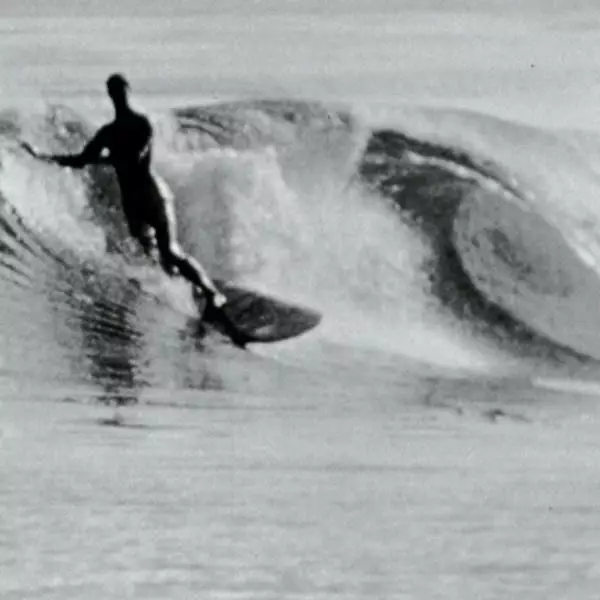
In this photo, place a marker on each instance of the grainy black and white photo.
(299, 299)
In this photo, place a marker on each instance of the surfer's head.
(117, 87)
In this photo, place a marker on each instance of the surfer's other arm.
(91, 154)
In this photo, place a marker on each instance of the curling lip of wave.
(525, 286)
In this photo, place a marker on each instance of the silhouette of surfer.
(126, 144)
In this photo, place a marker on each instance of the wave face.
(507, 256)
(449, 238)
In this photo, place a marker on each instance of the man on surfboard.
(126, 144)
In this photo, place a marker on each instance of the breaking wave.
(449, 238)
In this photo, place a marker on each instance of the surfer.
(126, 144)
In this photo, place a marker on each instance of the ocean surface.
(426, 175)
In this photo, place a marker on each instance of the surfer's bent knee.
(171, 254)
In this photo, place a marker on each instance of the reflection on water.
(112, 349)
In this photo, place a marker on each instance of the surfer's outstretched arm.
(91, 154)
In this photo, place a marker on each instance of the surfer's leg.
(143, 233)
(172, 257)
(193, 271)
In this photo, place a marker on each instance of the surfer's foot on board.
(214, 313)
(218, 300)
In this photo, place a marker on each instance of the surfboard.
(258, 317)
(248, 316)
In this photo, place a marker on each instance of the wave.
(440, 230)
(502, 261)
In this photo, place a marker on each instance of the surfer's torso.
(128, 140)
(128, 143)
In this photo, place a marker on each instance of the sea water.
(415, 445)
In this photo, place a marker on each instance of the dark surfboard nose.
(257, 317)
